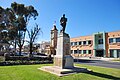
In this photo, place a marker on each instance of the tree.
(14, 21)
(22, 16)
(4, 39)
(32, 36)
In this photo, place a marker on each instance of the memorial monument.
(63, 61)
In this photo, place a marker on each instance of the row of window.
(81, 51)
(100, 41)
(81, 43)
(114, 40)
(115, 53)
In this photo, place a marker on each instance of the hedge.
(9, 63)
(23, 58)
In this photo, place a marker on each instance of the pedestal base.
(62, 72)
(58, 61)
(63, 62)
(68, 60)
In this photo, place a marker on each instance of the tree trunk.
(15, 47)
(31, 50)
(20, 50)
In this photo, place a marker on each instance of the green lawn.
(117, 60)
(30, 72)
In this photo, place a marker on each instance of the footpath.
(99, 58)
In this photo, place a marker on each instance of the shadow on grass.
(103, 75)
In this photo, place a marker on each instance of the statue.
(63, 21)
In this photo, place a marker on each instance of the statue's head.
(63, 15)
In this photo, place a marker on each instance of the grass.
(117, 60)
(30, 72)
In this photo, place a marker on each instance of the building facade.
(44, 47)
(101, 44)
(53, 42)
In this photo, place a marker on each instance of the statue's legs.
(64, 28)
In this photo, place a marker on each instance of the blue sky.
(85, 17)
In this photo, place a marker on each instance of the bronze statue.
(63, 21)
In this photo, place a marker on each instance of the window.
(80, 51)
(117, 39)
(71, 51)
(100, 41)
(84, 51)
(118, 53)
(89, 51)
(72, 44)
(75, 51)
(111, 53)
(75, 43)
(80, 43)
(111, 40)
(52, 35)
(89, 42)
(84, 42)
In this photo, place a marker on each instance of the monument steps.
(62, 72)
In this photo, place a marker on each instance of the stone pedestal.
(63, 59)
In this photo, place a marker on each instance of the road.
(98, 63)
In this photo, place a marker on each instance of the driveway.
(98, 63)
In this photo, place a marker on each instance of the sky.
(85, 17)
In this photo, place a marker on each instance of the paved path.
(99, 63)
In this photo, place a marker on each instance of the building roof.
(91, 35)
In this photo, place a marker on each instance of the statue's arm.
(66, 19)
(61, 20)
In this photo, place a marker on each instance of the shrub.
(9, 63)
(23, 58)
(2, 58)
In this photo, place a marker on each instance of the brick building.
(101, 44)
